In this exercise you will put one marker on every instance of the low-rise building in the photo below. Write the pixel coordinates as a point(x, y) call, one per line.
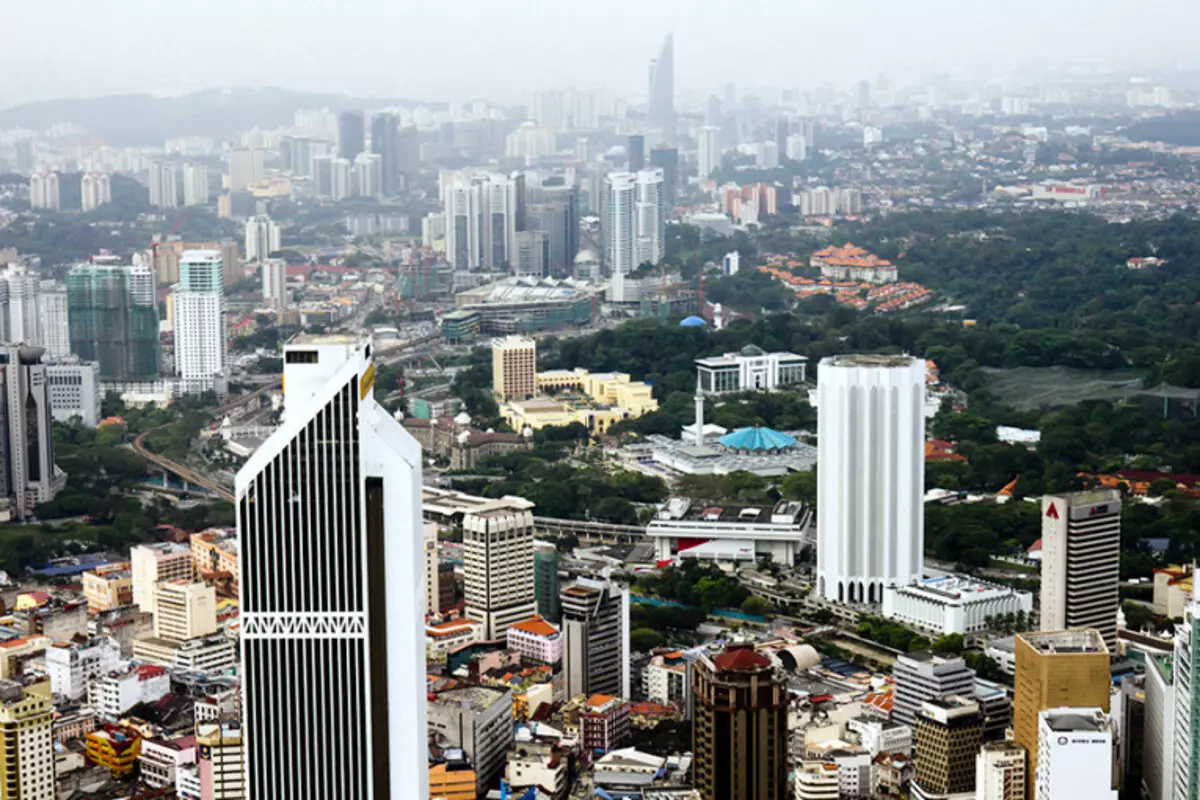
point(541, 764)
point(215, 554)
point(71, 665)
point(161, 759)
point(75, 391)
point(108, 587)
point(881, 736)
point(667, 679)
point(478, 720)
point(949, 604)
point(117, 692)
point(222, 772)
point(816, 780)
point(114, 748)
point(442, 637)
point(604, 723)
point(211, 654)
point(537, 640)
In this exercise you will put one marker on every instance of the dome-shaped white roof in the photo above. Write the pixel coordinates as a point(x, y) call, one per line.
point(463, 418)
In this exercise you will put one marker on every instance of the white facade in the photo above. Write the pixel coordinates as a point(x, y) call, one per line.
point(368, 174)
point(245, 167)
point(446, 636)
point(816, 780)
point(200, 327)
point(71, 665)
point(262, 238)
point(429, 545)
point(43, 191)
point(464, 224)
point(53, 327)
point(750, 370)
point(953, 603)
point(498, 566)
point(668, 679)
point(75, 392)
point(619, 222)
point(23, 287)
point(881, 736)
point(797, 147)
point(333, 600)
point(274, 283)
point(871, 478)
point(117, 692)
point(1179, 776)
point(164, 185)
point(161, 759)
point(184, 610)
point(536, 639)
point(95, 189)
point(195, 184)
point(766, 155)
point(1075, 755)
point(651, 216)
point(1081, 560)
point(1158, 762)
point(212, 654)
point(708, 156)
point(731, 264)
point(161, 561)
point(999, 770)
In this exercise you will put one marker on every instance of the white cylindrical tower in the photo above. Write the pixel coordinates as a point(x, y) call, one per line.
point(870, 475)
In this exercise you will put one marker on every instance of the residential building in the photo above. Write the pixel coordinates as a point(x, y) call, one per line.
point(95, 190)
point(164, 185)
point(116, 692)
point(160, 761)
point(948, 733)
point(429, 547)
point(184, 610)
point(26, 722)
point(363, 621)
point(108, 587)
point(660, 111)
point(923, 675)
point(16, 654)
point(222, 761)
point(212, 654)
point(1000, 771)
point(893, 772)
point(155, 562)
point(464, 223)
point(478, 720)
point(442, 637)
point(1057, 669)
point(848, 262)
point(545, 581)
point(263, 238)
point(947, 604)
point(667, 679)
point(750, 370)
point(1158, 752)
point(1081, 555)
point(385, 143)
point(1075, 754)
point(816, 780)
point(245, 168)
point(114, 748)
point(195, 185)
point(514, 368)
point(708, 157)
point(368, 175)
point(604, 723)
point(19, 289)
point(201, 334)
point(1181, 767)
point(871, 529)
point(43, 191)
point(71, 665)
point(595, 626)
point(274, 283)
point(75, 392)
point(619, 222)
point(498, 565)
point(28, 474)
point(651, 216)
point(113, 319)
point(537, 640)
point(739, 728)
point(52, 319)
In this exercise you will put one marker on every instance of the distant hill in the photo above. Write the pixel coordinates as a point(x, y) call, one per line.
point(143, 119)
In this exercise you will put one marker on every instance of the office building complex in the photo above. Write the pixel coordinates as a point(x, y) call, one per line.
point(552, 207)
point(953, 603)
point(651, 217)
point(871, 485)
point(44, 191)
point(498, 556)
point(164, 185)
point(113, 319)
point(1081, 560)
point(221, 763)
point(385, 143)
point(26, 724)
point(75, 391)
point(947, 737)
point(153, 563)
point(201, 335)
point(618, 220)
point(923, 675)
point(595, 628)
point(352, 134)
point(739, 728)
point(19, 289)
point(332, 604)
point(1000, 771)
point(708, 155)
point(514, 368)
point(195, 185)
point(54, 330)
point(531, 254)
point(749, 370)
point(262, 238)
point(545, 580)
point(667, 160)
point(95, 189)
point(1158, 754)
point(184, 610)
point(1057, 669)
point(28, 474)
point(482, 220)
point(1075, 754)
point(660, 113)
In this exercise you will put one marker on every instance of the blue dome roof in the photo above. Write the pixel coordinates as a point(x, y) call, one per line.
point(757, 439)
point(692, 322)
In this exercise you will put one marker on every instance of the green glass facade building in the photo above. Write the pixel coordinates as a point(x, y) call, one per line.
point(113, 319)
point(545, 582)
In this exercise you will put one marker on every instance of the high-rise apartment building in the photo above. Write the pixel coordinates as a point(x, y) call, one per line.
point(871, 485)
point(245, 167)
point(619, 222)
point(52, 319)
point(385, 143)
point(1056, 669)
point(739, 729)
point(329, 516)
point(352, 135)
point(1158, 752)
point(1000, 771)
point(514, 368)
point(501, 199)
point(263, 237)
point(28, 474)
point(1081, 562)
point(651, 217)
point(95, 190)
point(201, 336)
point(44, 191)
point(368, 175)
point(545, 581)
point(19, 295)
point(708, 154)
point(26, 725)
point(159, 561)
point(947, 740)
point(274, 282)
point(164, 185)
point(1075, 754)
point(113, 319)
point(660, 114)
point(195, 184)
point(595, 629)
point(1180, 742)
point(498, 565)
point(75, 392)
point(531, 254)
point(924, 675)
point(184, 610)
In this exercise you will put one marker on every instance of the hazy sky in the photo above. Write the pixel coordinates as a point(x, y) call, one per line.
point(503, 49)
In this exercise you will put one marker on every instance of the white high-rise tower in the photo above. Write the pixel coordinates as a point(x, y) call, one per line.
point(262, 238)
point(332, 589)
point(870, 482)
point(708, 155)
point(651, 216)
point(619, 222)
point(22, 296)
point(200, 328)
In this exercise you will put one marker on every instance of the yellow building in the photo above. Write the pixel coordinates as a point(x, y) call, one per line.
point(26, 741)
point(605, 388)
point(449, 783)
point(543, 413)
point(1056, 669)
point(115, 748)
point(514, 368)
point(15, 652)
point(108, 587)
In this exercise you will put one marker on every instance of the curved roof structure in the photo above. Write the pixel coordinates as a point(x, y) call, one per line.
point(752, 350)
point(692, 322)
point(761, 439)
point(801, 656)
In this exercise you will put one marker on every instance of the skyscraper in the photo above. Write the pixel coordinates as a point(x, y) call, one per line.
point(498, 553)
point(552, 206)
point(385, 144)
point(635, 153)
point(618, 221)
point(274, 282)
point(708, 156)
point(113, 318)
point(200, 326)
point(164, 185)
point(464, 224)
point(53, 326)
point(21, 290)
point(739, 729)
point(545, 580)
point(947, 740)
point(871, 485)
point(1180, 740)
point(651, 217)
point(352, 135)
point(500, 198)
point(1081, 561)
point(660, 115)
point(95, 189)
point(667, 159)
point(531, 254)
point(514, 368)
point(408, 155)
point(28, 474)
point(43, 191)
point(368, 175)
point(1055, 669)
point(1075, 754)
point(595, 628)
point(195, 184)
point(262, 238)
point(329, 522)
point(245, 167)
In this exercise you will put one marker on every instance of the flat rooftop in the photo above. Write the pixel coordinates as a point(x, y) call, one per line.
point(852, 360)
point(726, 512)
point(1079, 642)
point(1072, 721)
point(326, 338)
